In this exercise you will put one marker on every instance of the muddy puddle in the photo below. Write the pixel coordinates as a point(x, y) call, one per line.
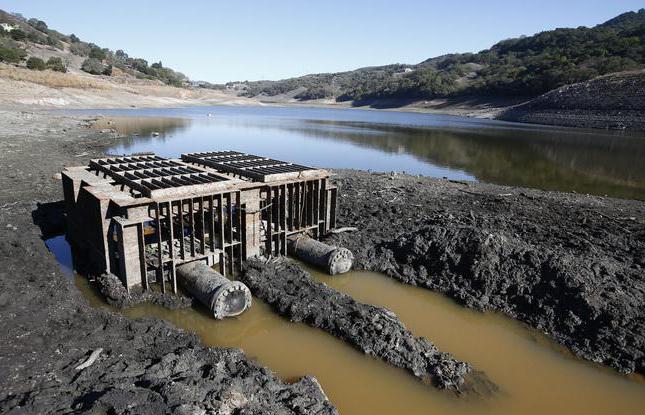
point(535, 375)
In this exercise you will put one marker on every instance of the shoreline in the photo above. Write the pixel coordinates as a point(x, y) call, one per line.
point(103, 93)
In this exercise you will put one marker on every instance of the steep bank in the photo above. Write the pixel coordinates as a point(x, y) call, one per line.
point(49, 330)
point(571, 266)
point(614, 101)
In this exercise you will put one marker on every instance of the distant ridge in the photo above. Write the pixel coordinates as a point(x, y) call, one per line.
point(526, 66)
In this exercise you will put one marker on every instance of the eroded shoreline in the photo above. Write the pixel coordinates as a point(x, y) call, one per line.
point(569, 265)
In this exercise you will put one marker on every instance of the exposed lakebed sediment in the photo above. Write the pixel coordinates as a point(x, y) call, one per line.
point(572, 266)
point(373, 330)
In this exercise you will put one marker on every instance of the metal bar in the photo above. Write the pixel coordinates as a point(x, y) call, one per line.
point(191, 220)
point(240, 233)
point(290, 205)
point(171, 248)
point(283, 218)
point(334, 206)
point(142, 257)
point(220, 219)
point(182, 248)
point(296, 219)
point(229, 205)
point(322, 208)
point(276, 217)
point(269, 219)
point(160, 249)
point(202, 227)
point(316, 204)
point(211, 218)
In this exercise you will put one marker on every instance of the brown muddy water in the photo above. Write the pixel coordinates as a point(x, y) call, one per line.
point(535, 375)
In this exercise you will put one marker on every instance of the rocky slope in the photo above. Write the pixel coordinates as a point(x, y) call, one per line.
point(615, 101)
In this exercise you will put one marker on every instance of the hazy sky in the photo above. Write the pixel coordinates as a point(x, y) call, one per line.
point(221, 41)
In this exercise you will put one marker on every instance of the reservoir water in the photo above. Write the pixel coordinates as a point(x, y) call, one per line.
point(585, 161)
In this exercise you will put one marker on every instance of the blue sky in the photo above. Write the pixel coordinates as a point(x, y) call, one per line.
point(221, 41)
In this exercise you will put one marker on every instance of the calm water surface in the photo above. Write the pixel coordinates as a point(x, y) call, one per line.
point(585, 161)
point(535, 375)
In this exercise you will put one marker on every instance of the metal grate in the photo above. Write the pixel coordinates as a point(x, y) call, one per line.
point(254, 167)
point(155, 176)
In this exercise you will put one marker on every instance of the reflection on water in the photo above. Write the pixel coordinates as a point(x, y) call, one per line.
point(595, 162)
point(535, 376)
point(142, 128)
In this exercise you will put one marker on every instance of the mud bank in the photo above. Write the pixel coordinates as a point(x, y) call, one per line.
point(49, 330)
point(571, 266)
point(373, 330)
point(615, 102)
point(114, 293)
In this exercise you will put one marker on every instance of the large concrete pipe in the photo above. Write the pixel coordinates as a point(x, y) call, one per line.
point(330, 258)
point(223, 297)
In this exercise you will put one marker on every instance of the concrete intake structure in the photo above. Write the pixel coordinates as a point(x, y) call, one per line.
point(141, 217)
point(332, 259)
point(223, 297)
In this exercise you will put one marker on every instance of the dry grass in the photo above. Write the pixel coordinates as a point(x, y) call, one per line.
point(50, 78)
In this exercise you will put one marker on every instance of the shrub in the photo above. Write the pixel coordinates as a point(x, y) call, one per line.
point(79, 49)
point(38, 25)
point(52, 41)
point(36, 37)
point(93, 66)
point(36, 64)
point(73, 38)
point(11, 55)
point(17, 34)
point(97, 53)
point(56, 64)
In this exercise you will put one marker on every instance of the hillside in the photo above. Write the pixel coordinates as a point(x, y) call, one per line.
point(41, 67)
point(31, 43)
point(526, 66)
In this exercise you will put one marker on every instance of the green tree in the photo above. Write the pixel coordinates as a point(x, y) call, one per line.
point(56, 64)
point(93, 66)
point(11, 54)
point(36, 64)
point(38, 25)
point(80, 49)
point(73, 38)
point(17, 34)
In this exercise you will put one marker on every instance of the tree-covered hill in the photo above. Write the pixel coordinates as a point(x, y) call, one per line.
point(525, 66)
point(23, 40)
